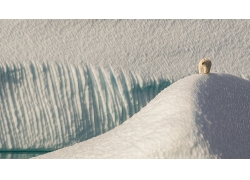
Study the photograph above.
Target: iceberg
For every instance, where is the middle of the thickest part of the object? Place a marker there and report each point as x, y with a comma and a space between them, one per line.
199, 116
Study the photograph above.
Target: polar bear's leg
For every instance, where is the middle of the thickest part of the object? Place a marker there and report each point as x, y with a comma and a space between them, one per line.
205, 69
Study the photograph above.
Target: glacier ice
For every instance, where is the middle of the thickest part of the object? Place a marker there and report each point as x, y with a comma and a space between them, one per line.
46, 106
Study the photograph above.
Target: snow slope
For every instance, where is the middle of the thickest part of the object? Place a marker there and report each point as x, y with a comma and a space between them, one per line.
200, 116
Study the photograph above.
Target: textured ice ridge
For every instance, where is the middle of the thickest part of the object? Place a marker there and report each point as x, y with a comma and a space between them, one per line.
46, 106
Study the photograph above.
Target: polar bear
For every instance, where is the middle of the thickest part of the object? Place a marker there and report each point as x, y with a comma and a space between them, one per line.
204, 64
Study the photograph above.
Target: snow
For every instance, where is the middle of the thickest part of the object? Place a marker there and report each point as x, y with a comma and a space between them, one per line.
66, 81
150, 48
200, 116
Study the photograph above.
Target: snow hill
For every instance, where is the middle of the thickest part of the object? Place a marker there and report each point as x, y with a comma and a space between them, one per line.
200, 116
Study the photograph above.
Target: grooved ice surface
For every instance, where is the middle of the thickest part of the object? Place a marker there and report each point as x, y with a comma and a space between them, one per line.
49, 106
200, 116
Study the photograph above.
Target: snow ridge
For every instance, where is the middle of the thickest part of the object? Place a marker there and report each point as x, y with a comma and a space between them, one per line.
199, 116
46, 106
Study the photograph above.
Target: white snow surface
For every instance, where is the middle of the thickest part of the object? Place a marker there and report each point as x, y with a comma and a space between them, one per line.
200, 116
66, 81
150, 48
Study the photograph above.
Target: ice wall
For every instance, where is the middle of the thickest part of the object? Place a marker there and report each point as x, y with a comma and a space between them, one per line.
46, 106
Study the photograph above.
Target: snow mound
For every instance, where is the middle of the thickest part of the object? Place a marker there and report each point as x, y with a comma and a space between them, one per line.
200, 116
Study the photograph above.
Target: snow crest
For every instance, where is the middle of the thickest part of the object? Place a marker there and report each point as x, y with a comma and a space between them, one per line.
46, 106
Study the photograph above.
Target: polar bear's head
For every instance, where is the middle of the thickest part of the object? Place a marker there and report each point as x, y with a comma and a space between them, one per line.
204, 66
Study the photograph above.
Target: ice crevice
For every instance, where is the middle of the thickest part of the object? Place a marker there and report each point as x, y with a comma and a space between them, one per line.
47, 106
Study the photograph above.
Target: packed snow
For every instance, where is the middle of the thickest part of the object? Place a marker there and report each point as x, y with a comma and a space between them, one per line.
67, 81
200, 116
150, 48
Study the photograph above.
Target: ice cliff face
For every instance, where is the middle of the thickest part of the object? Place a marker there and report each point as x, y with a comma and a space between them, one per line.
46, 106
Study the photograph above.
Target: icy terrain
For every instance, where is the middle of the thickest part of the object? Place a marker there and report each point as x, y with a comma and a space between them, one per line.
66, 81
51, 106
200, 116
